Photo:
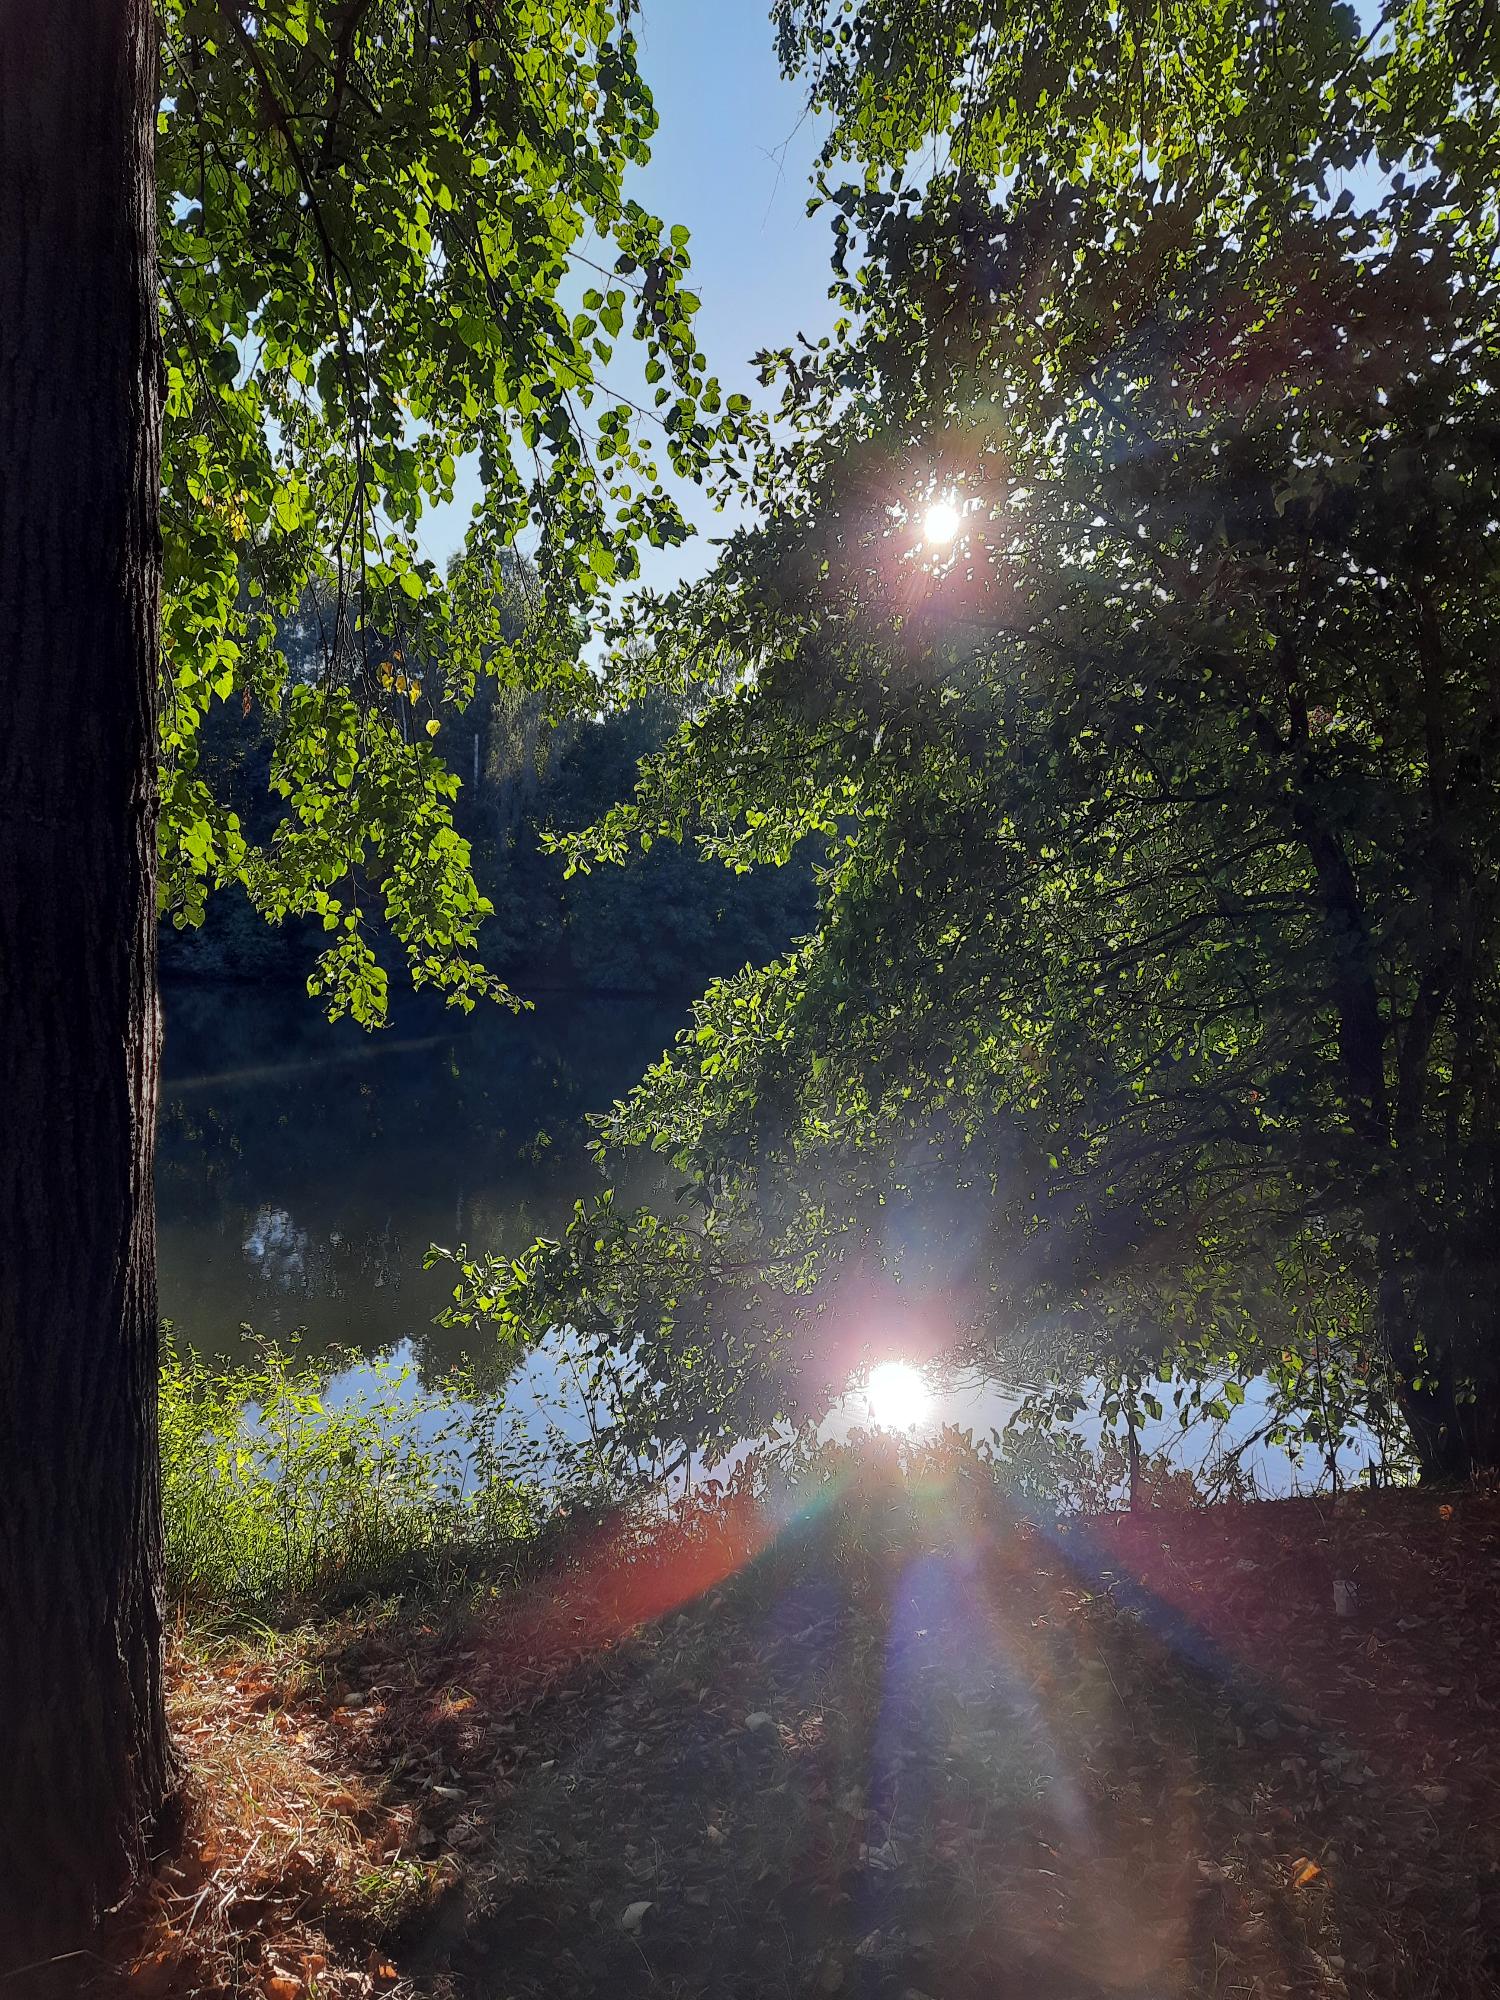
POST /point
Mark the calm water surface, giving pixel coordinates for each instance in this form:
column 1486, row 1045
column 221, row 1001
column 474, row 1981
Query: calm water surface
column 304, row 1168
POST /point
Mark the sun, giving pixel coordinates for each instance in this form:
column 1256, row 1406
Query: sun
column 941, row 523
column 899, row 1399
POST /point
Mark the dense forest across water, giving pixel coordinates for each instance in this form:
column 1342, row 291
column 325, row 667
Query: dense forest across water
column 663, row 924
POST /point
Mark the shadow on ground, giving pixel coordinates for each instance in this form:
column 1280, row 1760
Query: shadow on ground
column 906, row 1745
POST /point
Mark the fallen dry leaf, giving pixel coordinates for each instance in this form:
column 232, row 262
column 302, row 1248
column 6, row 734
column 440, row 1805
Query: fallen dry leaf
column 152, row 1975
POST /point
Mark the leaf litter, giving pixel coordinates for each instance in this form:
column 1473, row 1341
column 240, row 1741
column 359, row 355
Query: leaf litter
column 902, row 1746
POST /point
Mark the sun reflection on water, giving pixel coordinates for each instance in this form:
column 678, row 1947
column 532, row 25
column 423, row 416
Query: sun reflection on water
column 898, row 1398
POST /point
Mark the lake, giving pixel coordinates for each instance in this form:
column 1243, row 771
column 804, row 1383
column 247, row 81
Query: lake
column 304, row 1168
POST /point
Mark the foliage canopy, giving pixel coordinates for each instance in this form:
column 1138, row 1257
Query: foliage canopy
column 395, row 234
column 1156, row 958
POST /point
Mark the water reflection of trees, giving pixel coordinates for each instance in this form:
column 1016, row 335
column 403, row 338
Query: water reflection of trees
column 304, row 1169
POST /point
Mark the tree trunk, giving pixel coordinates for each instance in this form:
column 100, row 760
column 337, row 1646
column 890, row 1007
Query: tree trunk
column 1439, row 1323
column 83, row 1742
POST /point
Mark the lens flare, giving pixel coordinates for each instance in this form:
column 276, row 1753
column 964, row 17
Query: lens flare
column 941, row 523
column 899, row 1399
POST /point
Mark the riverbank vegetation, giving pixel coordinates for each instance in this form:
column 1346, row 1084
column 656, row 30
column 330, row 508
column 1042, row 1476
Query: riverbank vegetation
column 298, row 1484
column 1073, row 784
column 278, row 1494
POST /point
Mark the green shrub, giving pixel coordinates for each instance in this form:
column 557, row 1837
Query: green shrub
column 275, row 1497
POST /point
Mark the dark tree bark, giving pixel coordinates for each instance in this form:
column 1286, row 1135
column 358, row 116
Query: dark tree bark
column 1437, row 1308
column 83, row 1742
column 1438, row 1315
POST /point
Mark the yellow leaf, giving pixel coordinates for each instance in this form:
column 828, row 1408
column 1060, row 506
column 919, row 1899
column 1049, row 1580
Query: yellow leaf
column 1304, row 1871
column 433, row 727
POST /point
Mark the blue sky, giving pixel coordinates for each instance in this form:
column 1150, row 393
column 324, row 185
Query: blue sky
column 732, row 160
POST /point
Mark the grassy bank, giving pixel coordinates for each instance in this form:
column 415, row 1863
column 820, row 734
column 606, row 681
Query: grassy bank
column 279, row 1496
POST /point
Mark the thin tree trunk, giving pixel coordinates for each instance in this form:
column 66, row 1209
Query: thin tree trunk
column 83, row 1742
column 1439, row 1323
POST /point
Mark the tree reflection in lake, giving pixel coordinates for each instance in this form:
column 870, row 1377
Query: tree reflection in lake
column 304, row 1168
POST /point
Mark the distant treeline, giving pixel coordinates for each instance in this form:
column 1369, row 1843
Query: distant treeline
column 666, row 922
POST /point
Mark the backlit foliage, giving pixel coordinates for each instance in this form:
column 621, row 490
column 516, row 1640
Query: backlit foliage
column 396, row 234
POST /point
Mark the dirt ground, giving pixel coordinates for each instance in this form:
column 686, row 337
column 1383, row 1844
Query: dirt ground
column 905, row 1745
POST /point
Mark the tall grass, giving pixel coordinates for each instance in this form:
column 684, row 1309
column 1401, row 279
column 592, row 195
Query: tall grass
column 277, row 1497
column 280, row 1498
